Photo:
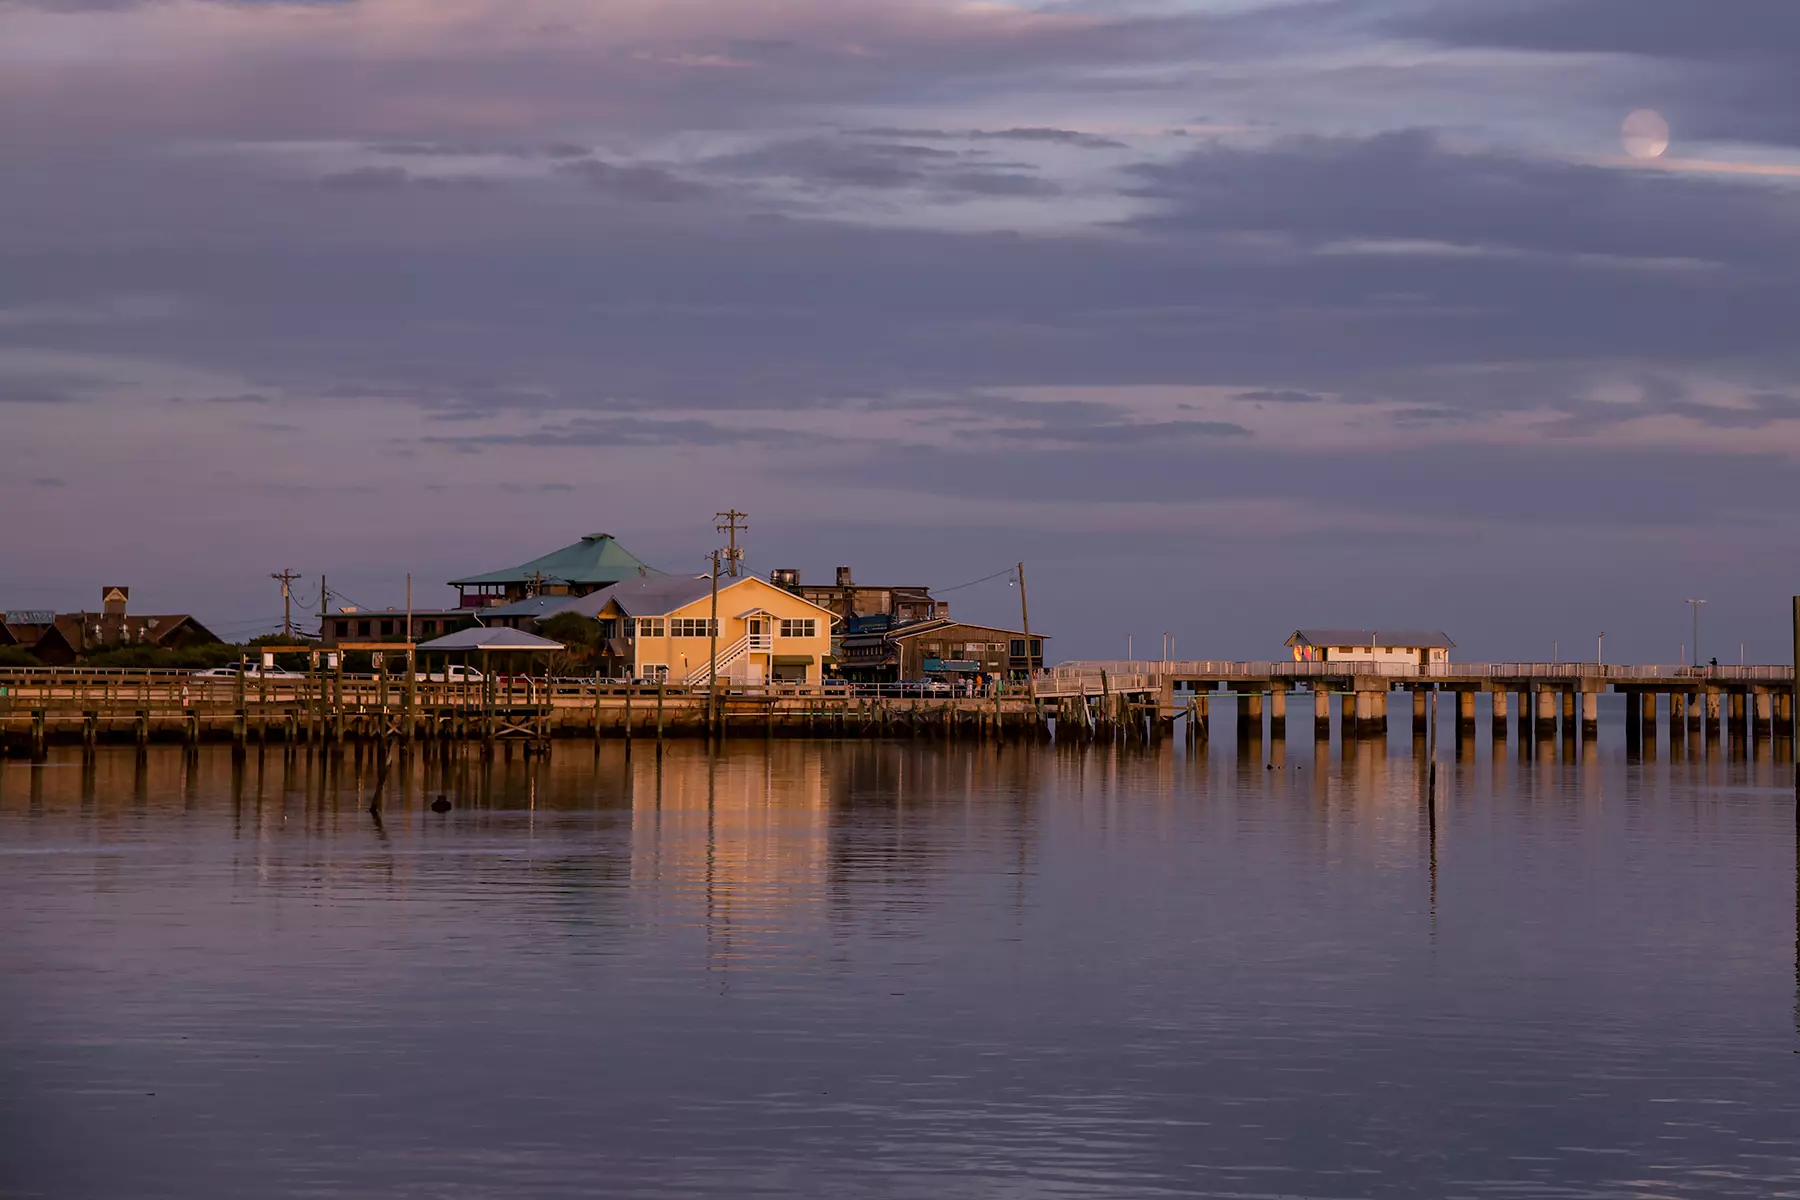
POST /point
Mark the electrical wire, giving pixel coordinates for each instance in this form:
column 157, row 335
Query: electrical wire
column 1012, row 571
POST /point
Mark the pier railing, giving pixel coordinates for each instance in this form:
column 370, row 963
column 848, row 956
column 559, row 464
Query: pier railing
column 1155, row 672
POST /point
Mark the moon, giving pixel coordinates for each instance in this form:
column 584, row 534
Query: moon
column 1645, row 134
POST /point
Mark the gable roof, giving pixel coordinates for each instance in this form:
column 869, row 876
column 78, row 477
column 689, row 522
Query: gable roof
column 660, row 595
column 934, row 625
column 480, row 638
column 596, row 558
column 1409, row 639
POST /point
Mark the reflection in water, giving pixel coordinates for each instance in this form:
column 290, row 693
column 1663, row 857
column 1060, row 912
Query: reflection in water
column 902, row 970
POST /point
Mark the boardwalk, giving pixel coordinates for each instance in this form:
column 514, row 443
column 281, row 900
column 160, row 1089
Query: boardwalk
column 39, row 708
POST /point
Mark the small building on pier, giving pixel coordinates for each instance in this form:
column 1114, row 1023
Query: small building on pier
column 1410, row 647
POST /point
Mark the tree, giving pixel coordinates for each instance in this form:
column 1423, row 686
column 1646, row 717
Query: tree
column 580, row 637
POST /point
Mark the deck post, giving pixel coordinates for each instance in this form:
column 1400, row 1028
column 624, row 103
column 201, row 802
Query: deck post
column 1277, row 713
column 1500, row 698
column 1421, row 722
column 1546, row 714
column 1590, row 715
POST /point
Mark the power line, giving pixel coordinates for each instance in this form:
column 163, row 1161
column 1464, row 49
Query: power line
column 985, row 578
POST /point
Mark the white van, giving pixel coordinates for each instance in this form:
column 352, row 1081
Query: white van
column 455, row 673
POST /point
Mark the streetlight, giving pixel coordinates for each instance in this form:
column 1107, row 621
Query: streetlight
column 1600, row 649
column 1695, row 605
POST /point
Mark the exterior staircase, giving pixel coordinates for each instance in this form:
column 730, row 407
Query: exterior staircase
column 727, row 656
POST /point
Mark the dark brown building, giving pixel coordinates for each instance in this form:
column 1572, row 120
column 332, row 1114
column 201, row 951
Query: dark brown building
column 349, row 626
column 938, row 649
column 848, row 599
column 65, row 637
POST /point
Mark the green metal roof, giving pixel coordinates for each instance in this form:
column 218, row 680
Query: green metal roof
column 596, row 559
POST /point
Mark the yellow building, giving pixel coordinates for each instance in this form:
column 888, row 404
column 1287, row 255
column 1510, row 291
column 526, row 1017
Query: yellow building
column 766, row 634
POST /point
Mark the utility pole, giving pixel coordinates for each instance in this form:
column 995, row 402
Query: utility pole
column 1695, row 605
column 1025, row 616
column 712, row 652
column 286, row 579
column 731, row 528
column 1794, row 720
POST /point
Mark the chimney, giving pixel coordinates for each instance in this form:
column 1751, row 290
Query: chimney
column 844, row 577
column 113, row 601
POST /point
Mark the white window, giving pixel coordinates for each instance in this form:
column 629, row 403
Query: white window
column 691, row 627
column 654, row 673
column 799, row 628
column 650, row 627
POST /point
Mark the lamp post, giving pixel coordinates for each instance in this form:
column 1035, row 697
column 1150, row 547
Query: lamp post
column 1695, row 605
column 1600, row 649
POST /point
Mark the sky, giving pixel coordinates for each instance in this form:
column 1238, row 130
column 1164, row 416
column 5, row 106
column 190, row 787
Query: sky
column 1226, row 317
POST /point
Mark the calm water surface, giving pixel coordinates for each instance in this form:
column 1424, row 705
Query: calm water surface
column 898, row 971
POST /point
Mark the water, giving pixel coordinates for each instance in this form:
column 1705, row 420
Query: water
column 893, row 970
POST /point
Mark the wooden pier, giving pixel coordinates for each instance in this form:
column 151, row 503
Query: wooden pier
column 1738, row 706
column 41, row 708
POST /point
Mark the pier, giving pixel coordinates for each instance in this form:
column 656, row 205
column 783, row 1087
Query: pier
column 1535, row 703
column 44, row 707
column 1702, row 706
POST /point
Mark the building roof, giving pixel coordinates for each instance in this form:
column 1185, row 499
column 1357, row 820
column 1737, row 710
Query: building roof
column 489, row 639
column 596, row 558
column 656, row 596
column 933, row 625
column 1409, row 639
column 651, row 596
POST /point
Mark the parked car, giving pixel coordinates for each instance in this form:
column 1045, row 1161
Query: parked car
column 250, row 671
column 924, row 687
column 455, row 673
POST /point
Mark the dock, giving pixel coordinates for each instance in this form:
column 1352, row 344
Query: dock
column 1076, row 702
column 40, row 708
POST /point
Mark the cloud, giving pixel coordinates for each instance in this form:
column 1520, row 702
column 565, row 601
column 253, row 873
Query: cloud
column 1413, row 187
column 634, row 182
column 1723, row 73
column 389, row 179
column 1278, row 396
column 835, row 163
column 630, row 431
column 1036, row 133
